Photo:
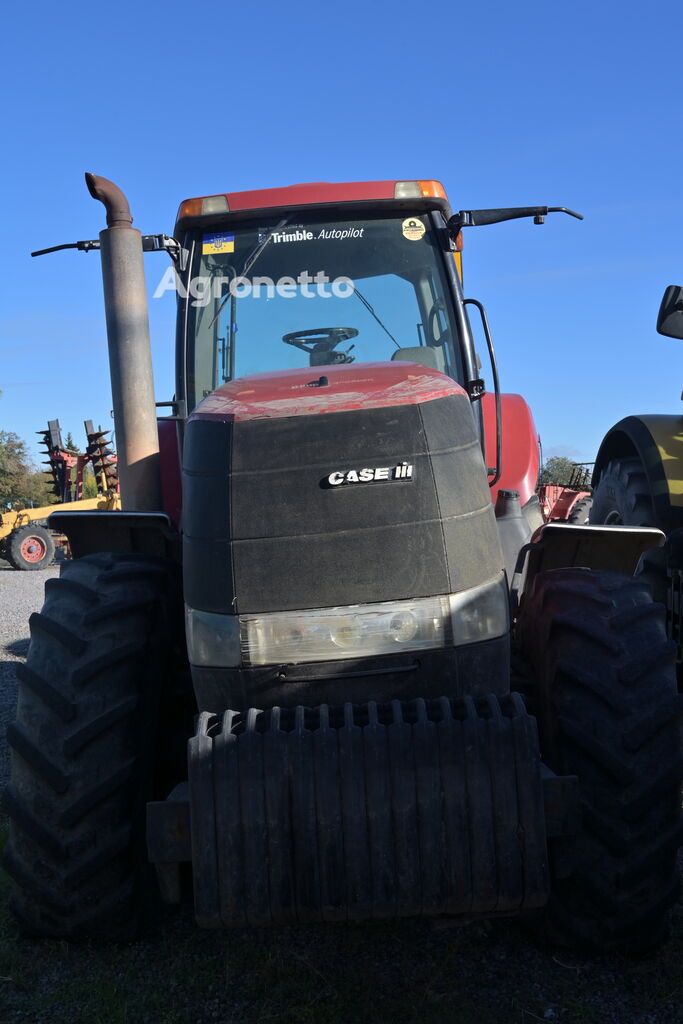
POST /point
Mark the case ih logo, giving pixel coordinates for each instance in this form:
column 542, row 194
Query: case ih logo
column 404, row 471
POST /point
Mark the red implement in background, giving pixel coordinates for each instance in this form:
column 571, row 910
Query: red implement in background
column 570, row 502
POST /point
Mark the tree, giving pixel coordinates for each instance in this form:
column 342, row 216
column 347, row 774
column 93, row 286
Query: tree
column 71, row 445
column 557, row 469
column 20, row 482
column 14, row 467
column 89, row 482
column 40, row 490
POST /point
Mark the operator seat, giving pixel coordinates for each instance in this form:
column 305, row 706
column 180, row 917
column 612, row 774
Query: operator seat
column 423, row 354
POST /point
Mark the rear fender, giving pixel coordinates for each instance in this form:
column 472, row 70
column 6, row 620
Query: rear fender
column 657, row 440
column 520, row 457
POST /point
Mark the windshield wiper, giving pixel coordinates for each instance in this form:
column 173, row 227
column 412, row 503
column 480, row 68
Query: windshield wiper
column 370, row 310
column 246, row 267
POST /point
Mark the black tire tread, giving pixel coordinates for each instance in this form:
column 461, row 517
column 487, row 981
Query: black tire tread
column 652, row 721
column 58, row 631
column 580, row 512
column 75, row 812
column 584, row 676
column 19, row 740
column 623, row 488
column 608, row 712
column 75, row 741
column 49, row 694
column 80, row 749
column 89, row 670
column 16, row 810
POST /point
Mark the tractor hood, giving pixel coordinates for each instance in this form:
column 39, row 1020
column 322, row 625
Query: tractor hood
column 334, row 486
column 326, row 389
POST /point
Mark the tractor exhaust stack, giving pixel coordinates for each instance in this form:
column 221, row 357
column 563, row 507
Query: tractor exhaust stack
column 130, row 356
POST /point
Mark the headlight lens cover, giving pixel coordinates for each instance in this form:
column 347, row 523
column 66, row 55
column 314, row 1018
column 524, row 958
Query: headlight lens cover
column 212, row 639
column 480, row 613
column 353, row 631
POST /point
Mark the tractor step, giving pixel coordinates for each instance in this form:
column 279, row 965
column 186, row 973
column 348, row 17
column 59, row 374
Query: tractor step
column 420, row 807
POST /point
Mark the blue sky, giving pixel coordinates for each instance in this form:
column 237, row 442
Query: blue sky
column 532, row 103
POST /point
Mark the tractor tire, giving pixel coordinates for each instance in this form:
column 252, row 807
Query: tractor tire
column 84, row 748
column 608, row 712
column 581, row 512
column 622, row 497
column 30, row 547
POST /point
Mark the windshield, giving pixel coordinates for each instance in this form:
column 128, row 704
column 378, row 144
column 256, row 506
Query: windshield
column 295, row 292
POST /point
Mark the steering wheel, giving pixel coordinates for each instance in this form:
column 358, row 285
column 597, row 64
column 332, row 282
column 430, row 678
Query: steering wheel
column 320, row 342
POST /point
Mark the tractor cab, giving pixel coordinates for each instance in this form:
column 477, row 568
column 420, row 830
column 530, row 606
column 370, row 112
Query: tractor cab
column 318, row 285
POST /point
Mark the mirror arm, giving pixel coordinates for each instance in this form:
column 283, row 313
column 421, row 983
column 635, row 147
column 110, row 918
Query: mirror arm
column 478, row 218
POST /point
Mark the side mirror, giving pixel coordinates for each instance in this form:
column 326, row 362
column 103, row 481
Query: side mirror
column 670, row 316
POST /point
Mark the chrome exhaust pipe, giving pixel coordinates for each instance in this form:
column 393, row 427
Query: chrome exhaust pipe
column 130, row 354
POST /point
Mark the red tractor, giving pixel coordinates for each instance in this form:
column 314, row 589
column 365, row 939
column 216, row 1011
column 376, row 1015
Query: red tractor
column 324, row 558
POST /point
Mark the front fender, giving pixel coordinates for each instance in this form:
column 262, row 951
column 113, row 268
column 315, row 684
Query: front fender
column 89, row 533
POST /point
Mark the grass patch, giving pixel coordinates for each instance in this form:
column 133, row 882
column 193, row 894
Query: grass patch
column 408, row 972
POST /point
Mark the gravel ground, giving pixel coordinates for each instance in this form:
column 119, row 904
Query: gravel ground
column 405, row 972
column 21, row 593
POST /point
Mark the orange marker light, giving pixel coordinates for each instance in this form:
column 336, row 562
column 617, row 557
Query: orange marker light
column 190, row 208
column 204, row 205
column 433, row 189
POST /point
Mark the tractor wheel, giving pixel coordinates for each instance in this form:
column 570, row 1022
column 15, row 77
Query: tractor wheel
column 30, row 547
column 608, row 712
column 622, row 497
column 580, row 512
column 84, row 747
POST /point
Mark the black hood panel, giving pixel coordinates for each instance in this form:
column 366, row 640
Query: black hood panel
column 264, row 530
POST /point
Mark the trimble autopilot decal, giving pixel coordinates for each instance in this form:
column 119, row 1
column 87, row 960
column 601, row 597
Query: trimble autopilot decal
column 341, row 477
column 302, row 234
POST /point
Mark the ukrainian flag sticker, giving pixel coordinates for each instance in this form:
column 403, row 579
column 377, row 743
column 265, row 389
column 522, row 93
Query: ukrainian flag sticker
column 219, row 241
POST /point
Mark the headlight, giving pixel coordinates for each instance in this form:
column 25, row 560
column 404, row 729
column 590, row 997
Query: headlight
column 480, row 613
column 354, row 631
column 212, row 639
